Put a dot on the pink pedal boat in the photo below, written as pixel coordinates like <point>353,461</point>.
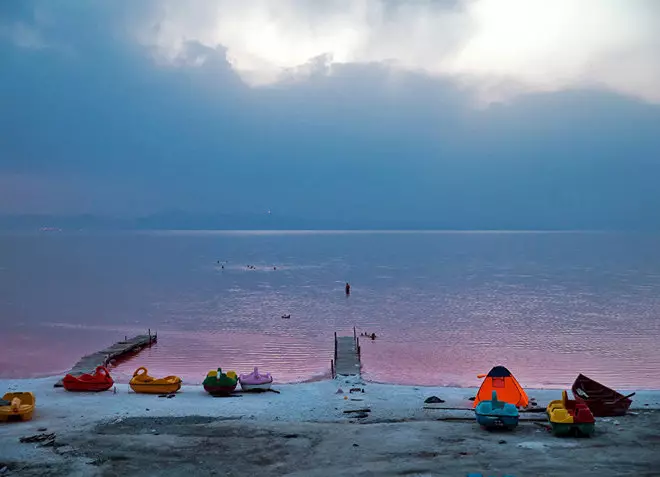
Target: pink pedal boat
<point>255,381</point>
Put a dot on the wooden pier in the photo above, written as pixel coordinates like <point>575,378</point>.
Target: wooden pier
<point>87,364</point>
<point>347,356</point>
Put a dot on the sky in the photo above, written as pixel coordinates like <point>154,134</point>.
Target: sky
<point>459,113</point>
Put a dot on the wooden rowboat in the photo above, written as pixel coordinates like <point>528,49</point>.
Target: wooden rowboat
<point>602,401</point>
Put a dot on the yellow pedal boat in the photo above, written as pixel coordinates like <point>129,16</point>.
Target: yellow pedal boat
<point>143,383</point>
<point>21,406</point>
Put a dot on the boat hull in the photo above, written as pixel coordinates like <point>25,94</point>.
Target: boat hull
<point>497,422</point>
<point>219,390</point>
<point>77,386</point>
<point>256,387</point>
<point>576,430</point>
<point>602,401</point>
<point>155,388</point>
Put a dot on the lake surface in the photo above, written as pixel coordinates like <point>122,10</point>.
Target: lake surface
<point>444,305</point>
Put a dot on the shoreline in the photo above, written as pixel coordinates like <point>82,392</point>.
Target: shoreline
<point>317,401</point>
<point>322,378</point>
<point>326,377</point>
<point>120,433</point>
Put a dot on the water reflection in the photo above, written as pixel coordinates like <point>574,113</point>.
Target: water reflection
<point>445,306</point>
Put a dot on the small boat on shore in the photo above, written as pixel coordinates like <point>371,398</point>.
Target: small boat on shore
<point>99,381</point>
<point>570,417</point>
<point>255,381</point>
<point>143,383</point>
<point>17,405</point>
<point>493,414</point>
<point>218,383</point>
<point>602,401</point>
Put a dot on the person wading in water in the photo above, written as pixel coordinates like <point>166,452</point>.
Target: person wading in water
<point>348,289</point>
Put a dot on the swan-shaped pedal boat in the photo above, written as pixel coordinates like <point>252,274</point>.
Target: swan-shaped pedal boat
<point>99,381</point>
<point>143,383</point>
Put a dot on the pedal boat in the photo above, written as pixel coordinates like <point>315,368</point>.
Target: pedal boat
<point>218,383</point>
<point>99,381</point>
<point>495,414</point>
<point>143,383</point>
<point>17,406</point>
<point>570,417</point>
<point>255,382</point>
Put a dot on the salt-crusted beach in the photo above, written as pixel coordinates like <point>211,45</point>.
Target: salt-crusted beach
<point>305,430</point>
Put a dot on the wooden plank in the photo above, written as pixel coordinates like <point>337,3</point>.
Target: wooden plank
<point>88,363</point>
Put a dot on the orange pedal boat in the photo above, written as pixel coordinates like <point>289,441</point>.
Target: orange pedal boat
<point>143,383</point>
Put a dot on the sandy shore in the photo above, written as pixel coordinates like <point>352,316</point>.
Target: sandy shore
<point>305,431</point>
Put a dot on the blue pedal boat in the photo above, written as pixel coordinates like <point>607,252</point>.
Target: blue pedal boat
<point>497,414</point>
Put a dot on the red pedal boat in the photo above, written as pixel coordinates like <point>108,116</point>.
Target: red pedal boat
<point>99,381</point>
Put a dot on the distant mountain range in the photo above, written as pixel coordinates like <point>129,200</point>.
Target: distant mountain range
<point>178,220</point>
<point>187,221</point>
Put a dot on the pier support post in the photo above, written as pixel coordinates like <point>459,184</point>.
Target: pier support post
<point>335,346</point>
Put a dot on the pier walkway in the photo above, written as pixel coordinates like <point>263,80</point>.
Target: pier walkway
<point>87,364</point>
<point>347,356</point>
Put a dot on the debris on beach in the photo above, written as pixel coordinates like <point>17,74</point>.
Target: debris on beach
<point>433,400</point>
<point>478,474</point>
<point>43,439</point>
<point>358,413</point>
<point>356,390</point>
<point>547,427</point>
<point>339,391</point>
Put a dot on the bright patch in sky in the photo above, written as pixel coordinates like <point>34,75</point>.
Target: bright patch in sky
<point>500,48</point>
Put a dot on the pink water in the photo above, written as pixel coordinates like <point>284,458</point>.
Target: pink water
<point>445,306</point>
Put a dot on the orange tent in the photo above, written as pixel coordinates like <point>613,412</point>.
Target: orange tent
<point>508,389</point>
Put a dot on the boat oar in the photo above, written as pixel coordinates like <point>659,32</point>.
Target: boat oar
<point>623,397</point>
<point>481,376</point>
